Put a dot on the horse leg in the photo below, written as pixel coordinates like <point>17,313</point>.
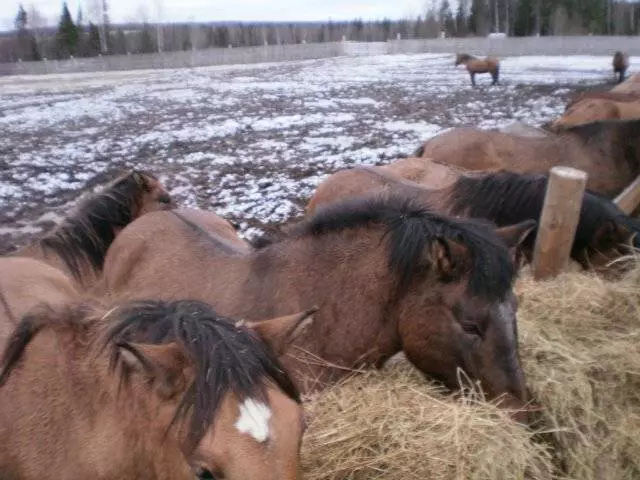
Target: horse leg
<point>473,78</point>
<point>495,74</point>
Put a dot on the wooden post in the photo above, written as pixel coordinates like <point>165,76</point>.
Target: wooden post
<point>629,198</point>
<point>558,222</point>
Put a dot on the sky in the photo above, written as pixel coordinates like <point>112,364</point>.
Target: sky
<point>224,10</point>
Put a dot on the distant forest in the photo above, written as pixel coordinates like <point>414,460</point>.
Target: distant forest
<point>74,36</point>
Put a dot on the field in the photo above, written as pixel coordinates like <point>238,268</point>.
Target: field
<point>250,142</point>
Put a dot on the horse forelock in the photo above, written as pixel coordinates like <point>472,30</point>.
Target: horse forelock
<point>410,228</point>
<point>87,234</point>
<point>226,358</point>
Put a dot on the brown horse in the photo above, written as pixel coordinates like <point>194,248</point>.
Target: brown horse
<point>387,274</point>
<point>78,245</point>
<point>630,85</point>
<point>606,95</point>
<point>148,390</point>
<point>620,64</point>
<point>609,151</point>
<point>604,232</point>
<point>591,110</point>
<point>26,283</point>
<point>477,65</point>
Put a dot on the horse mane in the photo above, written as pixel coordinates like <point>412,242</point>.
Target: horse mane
<point>410,229</point>
<point>87,234</point>
<point>507,198</point>
<point>226,357</point>
<point>72,318</point>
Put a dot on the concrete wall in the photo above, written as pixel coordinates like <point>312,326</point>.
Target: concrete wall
<point>191,58</point>
<point>515,46</point>
<point>275,53</point>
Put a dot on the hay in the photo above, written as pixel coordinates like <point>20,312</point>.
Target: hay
<point>580,344</point>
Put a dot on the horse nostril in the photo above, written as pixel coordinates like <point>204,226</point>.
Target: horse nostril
<point>203,474</point>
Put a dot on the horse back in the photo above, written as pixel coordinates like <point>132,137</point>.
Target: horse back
<point>162,253</point>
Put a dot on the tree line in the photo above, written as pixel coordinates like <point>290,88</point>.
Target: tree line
<point>32,39</point>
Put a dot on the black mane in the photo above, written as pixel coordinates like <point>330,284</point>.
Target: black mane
<point>507,198</point>
<point>87,234</point>
<point>226,357</point>
<point>411,228</point>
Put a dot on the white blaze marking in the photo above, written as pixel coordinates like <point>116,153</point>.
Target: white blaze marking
<point>254,419</point>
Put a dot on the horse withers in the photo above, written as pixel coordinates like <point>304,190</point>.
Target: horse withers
<point>620,64</point>
<point>479,65</point>
<point>148,390</point>
<point>388,274</point>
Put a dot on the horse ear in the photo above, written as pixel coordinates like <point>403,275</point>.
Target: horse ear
<point>446,258</point>
<point>164,365</point>
<point>280,332</point>
<point>140,179</point>
<point>514,236</point>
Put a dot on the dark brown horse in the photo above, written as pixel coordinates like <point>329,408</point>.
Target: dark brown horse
<point>387,274</point>
<point>604,232</point>
<point>620,64</point>
<point>609,151</point>
<point>479,65</point>
<point>78,245</point>
<point>148,390</point>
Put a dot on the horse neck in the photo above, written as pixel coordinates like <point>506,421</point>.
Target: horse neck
<point>611,142</point>
<point>345,274</point>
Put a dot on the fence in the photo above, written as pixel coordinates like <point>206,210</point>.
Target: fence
<point>589,45</point>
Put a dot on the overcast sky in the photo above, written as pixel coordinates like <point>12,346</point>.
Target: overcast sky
<point>211,10</point>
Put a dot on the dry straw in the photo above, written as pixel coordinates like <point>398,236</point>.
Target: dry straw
<point>580,345</point>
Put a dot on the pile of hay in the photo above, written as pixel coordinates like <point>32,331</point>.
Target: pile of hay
<point>580,345</point>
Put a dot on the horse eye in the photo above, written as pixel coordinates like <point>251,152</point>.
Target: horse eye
<point>471,328</point>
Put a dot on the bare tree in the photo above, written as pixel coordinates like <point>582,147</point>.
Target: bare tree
<point>159,25</point>
<point>98,15</point>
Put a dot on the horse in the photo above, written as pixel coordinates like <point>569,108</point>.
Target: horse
<point>149,390</point>
<point>387,274</point>
<point>26,283</point>
<point>606,95</point>
<point>609,151</point>
<point>594,109</point>
<point>630,85</point>
<point>620,64</point>
<point>78,245</point>
<point>476,65</point>
<point>604,233</point>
